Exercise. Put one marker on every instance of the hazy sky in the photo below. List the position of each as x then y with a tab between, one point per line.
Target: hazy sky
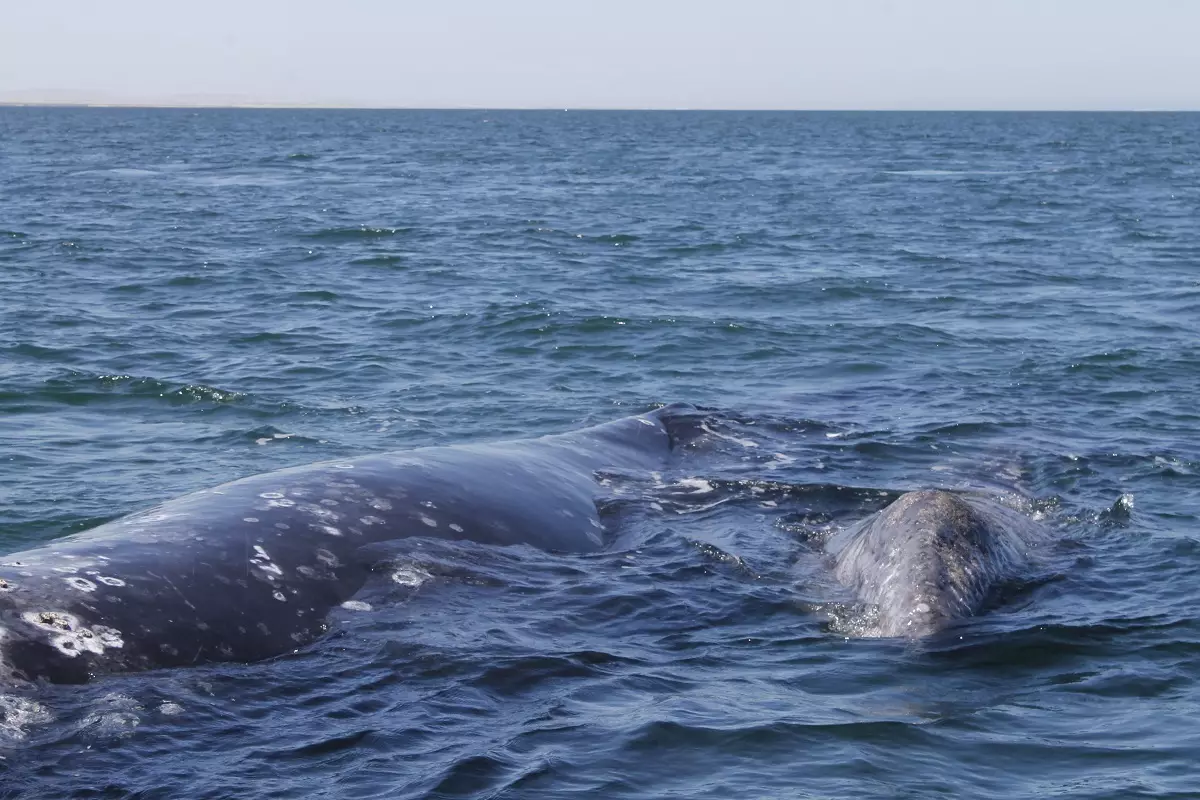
1123	54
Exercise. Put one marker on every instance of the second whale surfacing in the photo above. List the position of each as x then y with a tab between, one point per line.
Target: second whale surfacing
931	558
251	569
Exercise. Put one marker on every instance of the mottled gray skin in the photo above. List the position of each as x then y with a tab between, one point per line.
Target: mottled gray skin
251	569
930	558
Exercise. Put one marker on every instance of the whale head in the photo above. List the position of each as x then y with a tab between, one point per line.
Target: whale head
927	560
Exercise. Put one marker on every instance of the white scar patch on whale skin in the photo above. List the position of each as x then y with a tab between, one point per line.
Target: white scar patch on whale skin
329	529
107	581
356	605
454	526
410	576
428	504
263	561
323	514
430	521
70	637
372	520
82	584
380	504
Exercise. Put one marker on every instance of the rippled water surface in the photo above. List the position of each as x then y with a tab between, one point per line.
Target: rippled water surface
872	302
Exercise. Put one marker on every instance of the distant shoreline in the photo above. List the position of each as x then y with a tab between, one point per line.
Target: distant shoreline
58	104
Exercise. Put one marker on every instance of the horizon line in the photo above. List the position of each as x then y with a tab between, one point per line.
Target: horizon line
283	106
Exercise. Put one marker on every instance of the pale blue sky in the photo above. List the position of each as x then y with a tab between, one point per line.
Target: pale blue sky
1033	54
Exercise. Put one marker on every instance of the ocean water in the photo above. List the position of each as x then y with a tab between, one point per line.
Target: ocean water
871	302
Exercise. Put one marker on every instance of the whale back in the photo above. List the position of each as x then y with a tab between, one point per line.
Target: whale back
251	569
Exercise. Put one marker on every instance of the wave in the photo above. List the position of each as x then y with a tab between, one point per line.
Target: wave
364	232
609	239
380	260
82	389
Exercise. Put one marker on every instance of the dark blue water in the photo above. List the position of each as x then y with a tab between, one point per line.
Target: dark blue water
874	302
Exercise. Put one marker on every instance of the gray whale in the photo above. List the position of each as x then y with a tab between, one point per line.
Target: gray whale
251	569
930	558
